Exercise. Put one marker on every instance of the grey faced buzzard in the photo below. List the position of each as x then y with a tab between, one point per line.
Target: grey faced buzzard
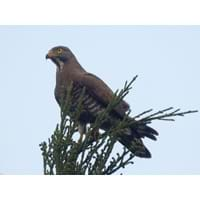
96	98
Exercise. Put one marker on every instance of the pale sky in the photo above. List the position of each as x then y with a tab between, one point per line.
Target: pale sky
166	58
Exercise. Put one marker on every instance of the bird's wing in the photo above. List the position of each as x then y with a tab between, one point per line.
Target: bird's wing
96	87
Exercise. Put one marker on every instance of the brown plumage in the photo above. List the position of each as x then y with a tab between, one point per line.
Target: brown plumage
96	98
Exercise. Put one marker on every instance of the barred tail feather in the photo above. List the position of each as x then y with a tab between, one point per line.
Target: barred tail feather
132	140
142	130
136	146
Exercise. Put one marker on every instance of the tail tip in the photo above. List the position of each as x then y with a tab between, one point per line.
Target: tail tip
143	154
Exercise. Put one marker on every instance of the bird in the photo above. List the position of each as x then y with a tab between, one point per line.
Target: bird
96	98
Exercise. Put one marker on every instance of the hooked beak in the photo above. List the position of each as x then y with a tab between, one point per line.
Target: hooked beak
47	56
50	55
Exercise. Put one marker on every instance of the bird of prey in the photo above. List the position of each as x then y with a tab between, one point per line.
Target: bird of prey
95	100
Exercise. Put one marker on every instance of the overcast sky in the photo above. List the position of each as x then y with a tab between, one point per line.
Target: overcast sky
166	58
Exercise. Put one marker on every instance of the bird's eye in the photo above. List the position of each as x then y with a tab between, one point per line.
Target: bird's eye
59	50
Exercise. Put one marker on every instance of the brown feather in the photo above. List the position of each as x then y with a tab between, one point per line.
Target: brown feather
96	98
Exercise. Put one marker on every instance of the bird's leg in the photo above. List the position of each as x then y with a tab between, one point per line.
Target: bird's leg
81	130
95	134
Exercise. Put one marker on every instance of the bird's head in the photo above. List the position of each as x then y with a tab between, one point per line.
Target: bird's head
59	55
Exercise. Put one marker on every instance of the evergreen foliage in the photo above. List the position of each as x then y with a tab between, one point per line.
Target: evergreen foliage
69	152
